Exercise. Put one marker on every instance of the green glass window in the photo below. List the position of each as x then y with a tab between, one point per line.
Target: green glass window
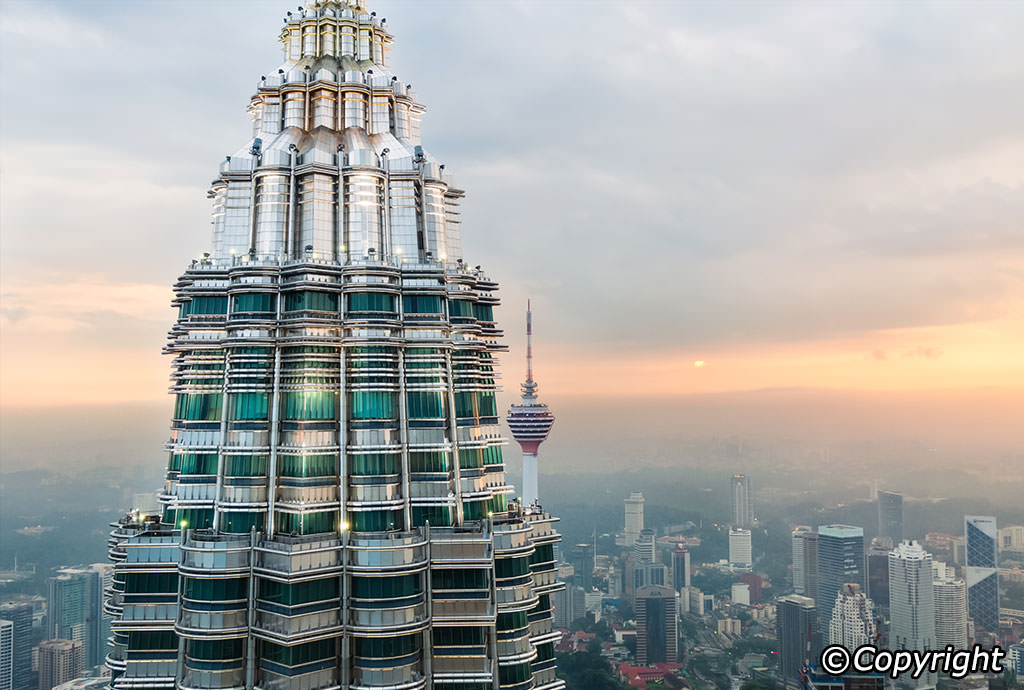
311	300
425	404
421	304
516	673
308	405
488	406
470	458
543	553
299	592
474	510
372	405
253	302
194	518
430	461
483	312
241	522
152	640
220	589
306	523
492	455
151	583
377	520
204	305
460	308
438	516
459	637
249	405
386	647
307	465
245	465
299	654
369	301
511	567
498	503
463	578
197	463
362	464
215	650
464	404
385	587
512	621
198	406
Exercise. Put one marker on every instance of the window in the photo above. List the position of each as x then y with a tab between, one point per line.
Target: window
463	578
470	458
245	465
299	592
249	406
438	516
152	640
498	503
372	405
512	621
425	404
220	589
308	405
487	405
194	518
483	312
492	455
543	553
197	463
253	302
298	654
377	520
151	583
516	673
369	302
362	464
215	650
386	647
203	305
307	465
460	308
459	637
421	304
464	404
511	567
432	461
311	300
474	510
306	523
385	587
241	522
198	406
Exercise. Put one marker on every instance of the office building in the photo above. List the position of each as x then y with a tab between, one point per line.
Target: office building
797	627
840	562
805	561
852	623
1015	659
75	609
740	593
680	568
583	566
59	662
530	422
754	581
950	609
981	575
740	549
335	511
742	513
890	515
656	620
912	602
6	654
634	518
20	616
878	572
644	546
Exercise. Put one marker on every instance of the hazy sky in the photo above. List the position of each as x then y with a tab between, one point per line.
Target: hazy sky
798	195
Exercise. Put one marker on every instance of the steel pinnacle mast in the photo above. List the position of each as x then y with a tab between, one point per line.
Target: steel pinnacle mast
335	512
530	421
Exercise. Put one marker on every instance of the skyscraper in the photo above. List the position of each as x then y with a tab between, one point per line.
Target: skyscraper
634	518
335	511
6	654
20	615
852	622
805	561
644	547
796	625
950	610
740	549
840	561
912	602
530	422
890	515
75	609
877	558
656	621
59	662
680	568
742	515
583	566
982	577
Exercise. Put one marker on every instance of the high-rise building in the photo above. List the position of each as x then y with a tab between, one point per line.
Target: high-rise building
797	627
742	514
740	549
583	566
981	574
1015	657
6	654
890	515
59	662
530	422
740	593
75	609
852	623
634	517
912	603
335	511
20	615
950	608
840	561
680	568
644	546
877	558
805	561
656	621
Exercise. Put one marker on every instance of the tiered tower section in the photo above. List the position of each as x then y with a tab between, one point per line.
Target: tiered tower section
335	513
530	422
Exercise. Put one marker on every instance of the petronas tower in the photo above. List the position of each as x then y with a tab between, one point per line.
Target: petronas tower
335	512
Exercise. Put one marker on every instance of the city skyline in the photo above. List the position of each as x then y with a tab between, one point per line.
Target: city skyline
933	332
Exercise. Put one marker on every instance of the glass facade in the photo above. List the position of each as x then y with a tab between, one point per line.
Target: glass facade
335	512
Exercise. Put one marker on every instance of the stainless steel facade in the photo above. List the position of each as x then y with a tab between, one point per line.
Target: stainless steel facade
335	512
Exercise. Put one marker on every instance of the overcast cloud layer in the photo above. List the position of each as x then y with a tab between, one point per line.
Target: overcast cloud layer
662	178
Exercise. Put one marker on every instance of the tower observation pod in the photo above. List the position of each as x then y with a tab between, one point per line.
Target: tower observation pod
530	422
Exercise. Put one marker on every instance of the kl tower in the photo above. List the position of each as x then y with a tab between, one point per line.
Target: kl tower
530	421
